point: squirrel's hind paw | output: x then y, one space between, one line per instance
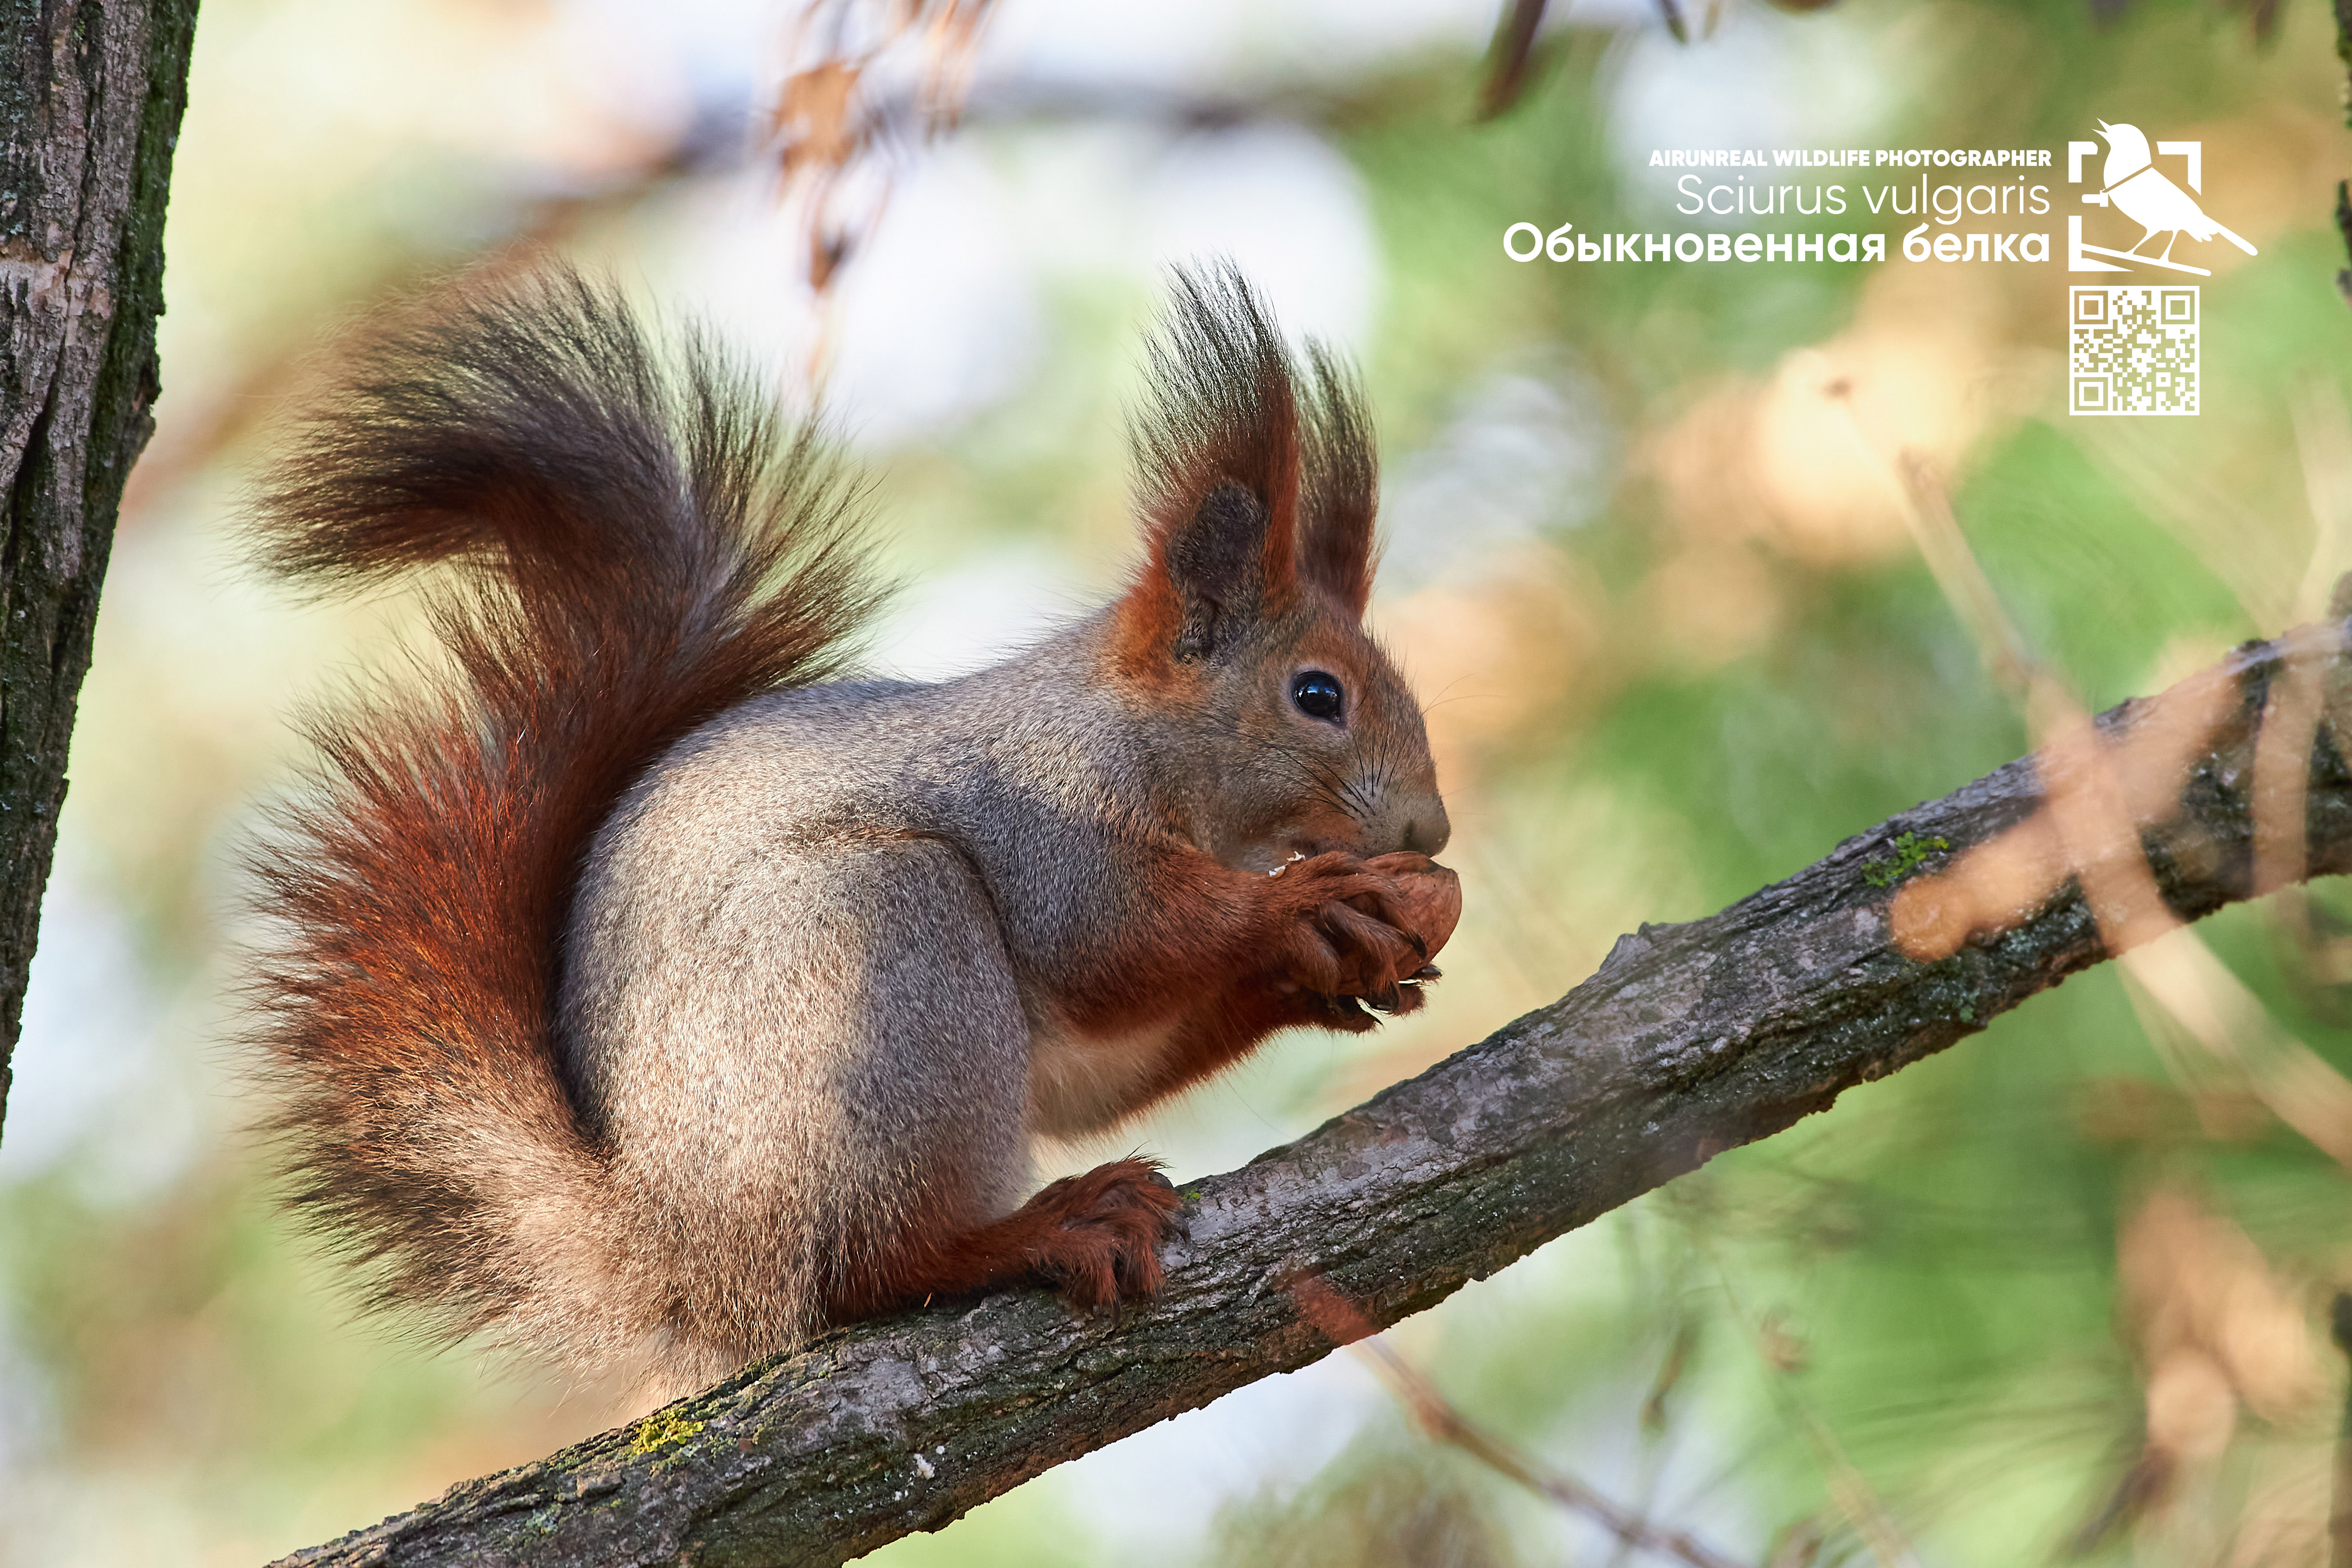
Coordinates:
1096 1239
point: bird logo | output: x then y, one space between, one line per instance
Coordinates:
2136 187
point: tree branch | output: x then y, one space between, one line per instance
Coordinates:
1691 1039
90 95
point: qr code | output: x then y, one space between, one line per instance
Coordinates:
2132 351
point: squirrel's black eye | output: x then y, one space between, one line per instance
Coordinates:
1318 695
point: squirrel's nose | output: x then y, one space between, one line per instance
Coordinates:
1426 830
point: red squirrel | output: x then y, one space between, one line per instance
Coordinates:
648 993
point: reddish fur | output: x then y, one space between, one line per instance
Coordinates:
632 561
1094 1237
598 617
1234 956
1341 480
1230 411
1237 956
1242 955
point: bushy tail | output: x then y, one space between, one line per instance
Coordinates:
632 543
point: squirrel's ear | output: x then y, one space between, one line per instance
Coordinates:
1214 563
1342 484
1218 468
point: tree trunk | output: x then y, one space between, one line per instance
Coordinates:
90 95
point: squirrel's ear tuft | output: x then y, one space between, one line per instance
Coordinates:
1342 484
1218 463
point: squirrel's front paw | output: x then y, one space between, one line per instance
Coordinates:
1364 929
1096 1239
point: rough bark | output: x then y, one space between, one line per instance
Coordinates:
90 95
1689 1040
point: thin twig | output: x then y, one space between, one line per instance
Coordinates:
1849 1489
2339 1516
2101 797
1436 1415
1507 57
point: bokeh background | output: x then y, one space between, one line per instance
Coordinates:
2059 1293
